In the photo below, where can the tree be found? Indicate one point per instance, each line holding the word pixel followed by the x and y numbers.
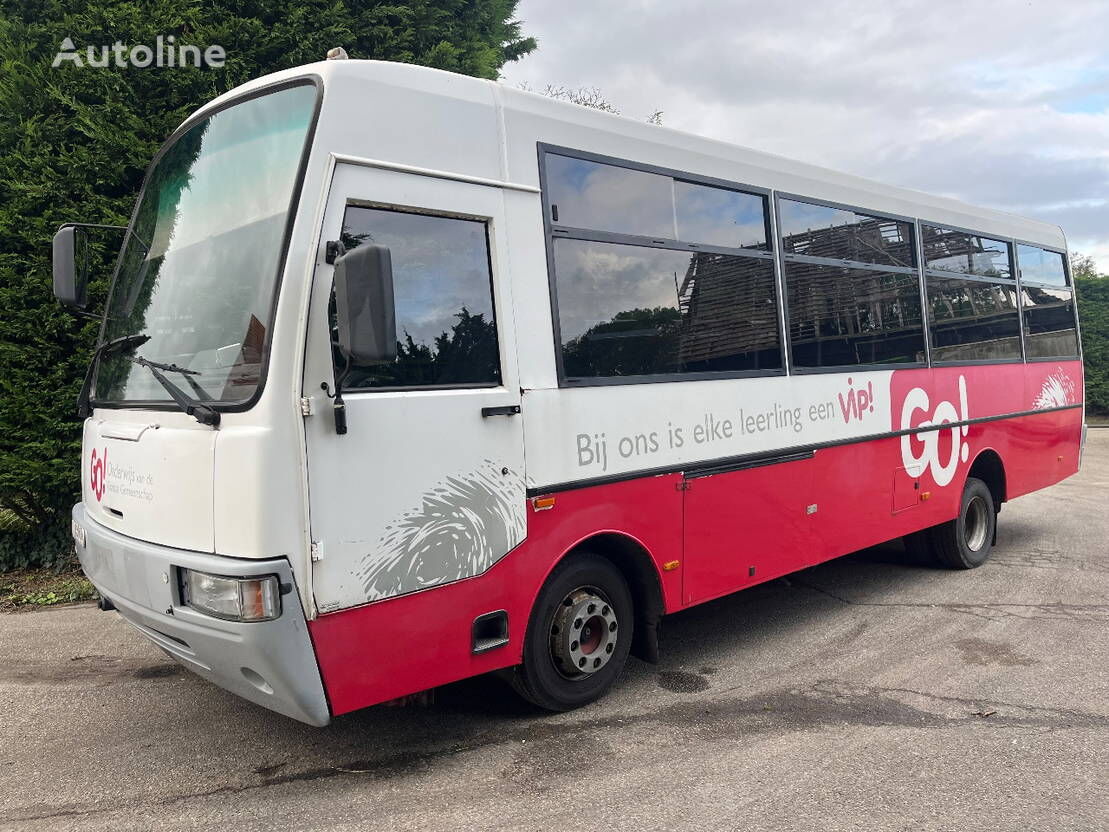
pixel 587 97
pixel 1092 290
pixel 634 342
pixel 1083 265
pixel 75 141
pixel 466 355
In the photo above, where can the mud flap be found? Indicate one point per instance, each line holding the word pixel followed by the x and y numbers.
pixel 645 641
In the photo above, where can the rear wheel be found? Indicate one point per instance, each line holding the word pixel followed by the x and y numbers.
pixel 962 543
pixel 578 637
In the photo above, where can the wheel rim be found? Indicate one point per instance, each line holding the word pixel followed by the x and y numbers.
pixel 583 634
pixel 976 525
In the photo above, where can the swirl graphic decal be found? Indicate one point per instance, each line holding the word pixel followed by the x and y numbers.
pixel 461 527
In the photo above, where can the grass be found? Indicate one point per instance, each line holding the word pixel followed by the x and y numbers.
pixel 24 589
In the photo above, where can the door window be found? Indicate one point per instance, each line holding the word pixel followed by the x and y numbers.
pixel 443 295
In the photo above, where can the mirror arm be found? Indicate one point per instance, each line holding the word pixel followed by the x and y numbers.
pixel 337 398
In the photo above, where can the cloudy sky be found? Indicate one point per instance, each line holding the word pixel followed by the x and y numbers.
pixel 999 103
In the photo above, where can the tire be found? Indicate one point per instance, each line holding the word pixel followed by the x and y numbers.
pixel 965 542
pixel 562 670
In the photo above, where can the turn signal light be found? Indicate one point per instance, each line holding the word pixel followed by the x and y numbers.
pixel 233 599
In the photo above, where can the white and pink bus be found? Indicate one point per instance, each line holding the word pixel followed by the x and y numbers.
pixel 406 377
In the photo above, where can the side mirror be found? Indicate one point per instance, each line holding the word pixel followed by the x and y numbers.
pixel 71 267
pixel 364 306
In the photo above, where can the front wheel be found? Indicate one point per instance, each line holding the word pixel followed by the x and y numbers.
pixel 579 635
pixel 962 543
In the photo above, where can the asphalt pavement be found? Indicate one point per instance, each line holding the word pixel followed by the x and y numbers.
pixel 871 692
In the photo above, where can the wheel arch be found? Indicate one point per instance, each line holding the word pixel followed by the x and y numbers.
pixel 989 468
pixel 635 563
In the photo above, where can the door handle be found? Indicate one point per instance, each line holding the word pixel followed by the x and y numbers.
pixel 507 410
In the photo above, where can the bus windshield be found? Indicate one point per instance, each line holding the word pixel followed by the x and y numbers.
pixel 199 265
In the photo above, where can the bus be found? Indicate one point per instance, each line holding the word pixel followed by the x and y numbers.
pixel 405 377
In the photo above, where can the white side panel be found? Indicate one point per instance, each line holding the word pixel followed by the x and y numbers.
pixel 585 433
pixel 530 290
pixel 258 487
pixel 423 489
pixel 530 118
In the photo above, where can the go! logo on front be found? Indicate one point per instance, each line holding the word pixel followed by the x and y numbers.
pixel 98 473
pixel 943 470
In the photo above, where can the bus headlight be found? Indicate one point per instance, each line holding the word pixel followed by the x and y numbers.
pixel 235 599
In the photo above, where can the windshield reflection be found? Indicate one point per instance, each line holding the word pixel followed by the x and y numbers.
pixel 214 212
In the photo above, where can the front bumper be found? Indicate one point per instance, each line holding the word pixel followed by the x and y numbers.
pixel 271 663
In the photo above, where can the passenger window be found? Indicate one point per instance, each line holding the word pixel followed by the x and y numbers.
pixel 973 320
pixel 719 217
pixel 1049 330
pixel 947 250
pixel 442 285
pixel 585 194
pixel 1038 265
pixel 628 311
pixel 680 282
pixel 862 311
pixel 840 317
pixel 841 234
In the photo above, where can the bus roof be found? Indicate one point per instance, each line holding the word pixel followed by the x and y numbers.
pixel 500 143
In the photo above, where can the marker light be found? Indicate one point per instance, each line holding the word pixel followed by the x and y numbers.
pixel 234 599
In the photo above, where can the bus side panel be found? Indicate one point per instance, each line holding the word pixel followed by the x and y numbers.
pixel 745 527
pixel 402 645
pixel 1048 450
pixel 1044 449
pixel 870 492
pixel 854 497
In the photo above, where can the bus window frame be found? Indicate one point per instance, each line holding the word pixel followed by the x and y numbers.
pixel 830 261
pixel 1070 287
pixel 309 79
pixel 776 252
pixel 553 231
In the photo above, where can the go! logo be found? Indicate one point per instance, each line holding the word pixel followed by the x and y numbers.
pixel 943 470
pixel 98 473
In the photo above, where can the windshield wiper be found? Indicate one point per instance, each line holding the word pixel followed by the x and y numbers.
pixel 125 342
pixel 201 394
pixel 198 410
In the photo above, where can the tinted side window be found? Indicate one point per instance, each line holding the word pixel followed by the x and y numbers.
pixel 842 317
pixel 972 320
pixel 585 194
pixel 637 311
pixel 719 217
pixel 1040 266
pixel 946 250
pixel 1049 330
pixel 446 330
pixel 840 234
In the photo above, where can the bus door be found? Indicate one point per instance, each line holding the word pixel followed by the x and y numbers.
pixel 427 485
pixel 746 523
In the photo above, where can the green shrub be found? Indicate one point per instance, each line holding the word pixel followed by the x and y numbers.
pixel 1093 315
pixel 75 141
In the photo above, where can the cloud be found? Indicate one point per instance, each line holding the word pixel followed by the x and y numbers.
pixel 1004 104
